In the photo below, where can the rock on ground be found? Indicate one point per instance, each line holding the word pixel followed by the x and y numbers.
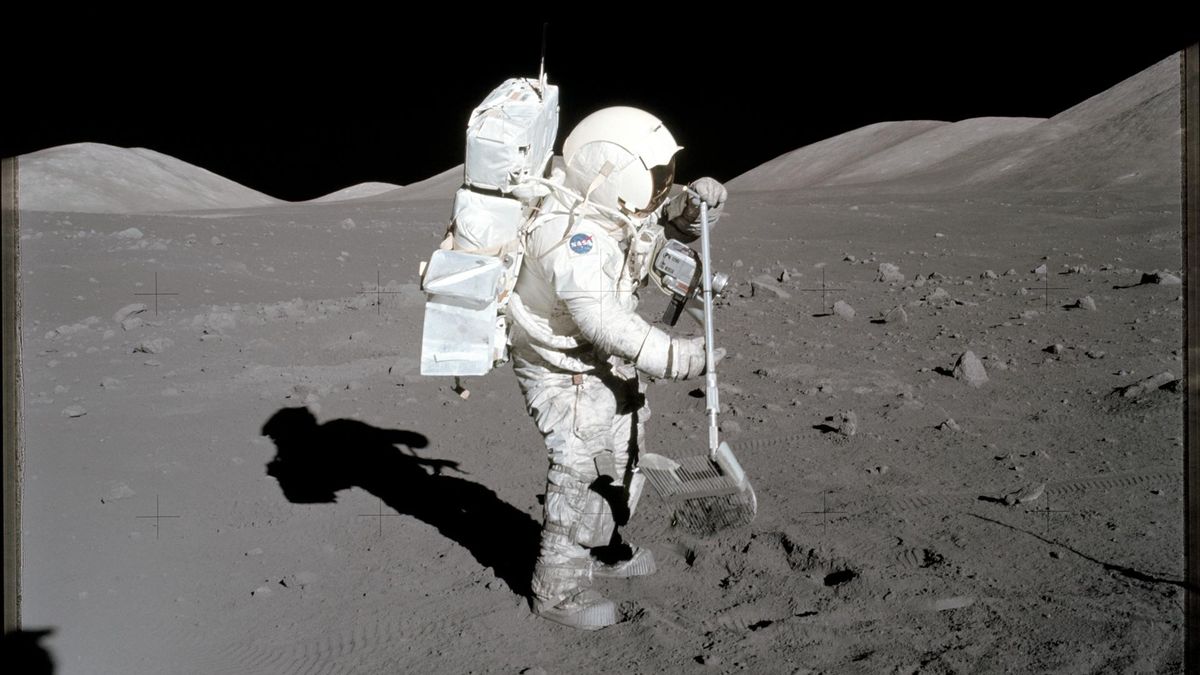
pixel 127 311
pixel 846 423
pixel 889 273
pixel 1162 278
pixel 949 425
pixel 155 346
pixel 1148 385
pixel 767 288
pixel 969 369
pixel 939 296
pixel 896 315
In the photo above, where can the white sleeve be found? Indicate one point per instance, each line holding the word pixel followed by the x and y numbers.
pixel 584 272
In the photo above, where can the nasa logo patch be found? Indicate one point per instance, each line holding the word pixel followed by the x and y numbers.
pixel 581 243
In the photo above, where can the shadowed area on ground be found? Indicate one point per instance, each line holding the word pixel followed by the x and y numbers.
pixel 314 461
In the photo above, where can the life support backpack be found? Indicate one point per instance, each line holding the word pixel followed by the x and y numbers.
pixel 469 280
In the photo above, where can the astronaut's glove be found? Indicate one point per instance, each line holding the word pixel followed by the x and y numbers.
pixel 684 210
pixel 687 357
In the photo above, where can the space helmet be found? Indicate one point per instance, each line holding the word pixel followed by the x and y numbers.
pixel 622 158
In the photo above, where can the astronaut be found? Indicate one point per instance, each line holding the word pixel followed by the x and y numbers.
pixel 579 345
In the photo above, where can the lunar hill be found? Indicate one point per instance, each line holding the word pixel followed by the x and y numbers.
pixel 99 178
pixel 359 191
pixel 1127 135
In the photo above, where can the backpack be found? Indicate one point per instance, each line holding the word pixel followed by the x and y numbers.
pixel 469 280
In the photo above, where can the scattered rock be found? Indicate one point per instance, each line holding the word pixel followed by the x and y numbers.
pixel 1029 493
pixel 1040 269
pixel 216 241
pixel 74 411
pixel 889 273
pixel 110 383
pixel 128 311
pixel 762 287
pixel 155 346
pixel 131 233
pixel 939 296
pixel 949 425
pixel 65 330
pixel 1148 385
pixel 1094 354
pixel 784 276
pixel 1087 303
pixel 896 315
pixel 844 310
pixel 846 423
pixel 118 491
pixel 878 470
pixel 731 427
pixel 1162 278
pixel 533 670
pixel 970 369
pixel 1056 349
pixel 1030 314
pixel 348 224
pixel 850 258
pixel 1011 273
pixel 261 592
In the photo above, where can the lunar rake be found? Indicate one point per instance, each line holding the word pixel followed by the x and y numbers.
pixel 710 492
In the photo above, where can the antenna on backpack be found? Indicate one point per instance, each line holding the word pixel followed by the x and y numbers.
pixel 542 65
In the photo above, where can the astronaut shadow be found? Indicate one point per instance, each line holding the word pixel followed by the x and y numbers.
pixel 23 648
pixel 314 461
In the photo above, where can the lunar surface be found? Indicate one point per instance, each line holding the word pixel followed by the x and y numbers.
pixel 953 379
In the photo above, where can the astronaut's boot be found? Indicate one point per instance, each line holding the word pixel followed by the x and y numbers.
pixel 561 587
pixel 576 517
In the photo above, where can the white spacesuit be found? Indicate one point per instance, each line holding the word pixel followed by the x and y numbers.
pixel 578 345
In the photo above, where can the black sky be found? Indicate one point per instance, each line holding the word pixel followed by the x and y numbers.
pixel 300 106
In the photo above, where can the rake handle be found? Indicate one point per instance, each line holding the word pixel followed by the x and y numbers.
pixel 712 394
